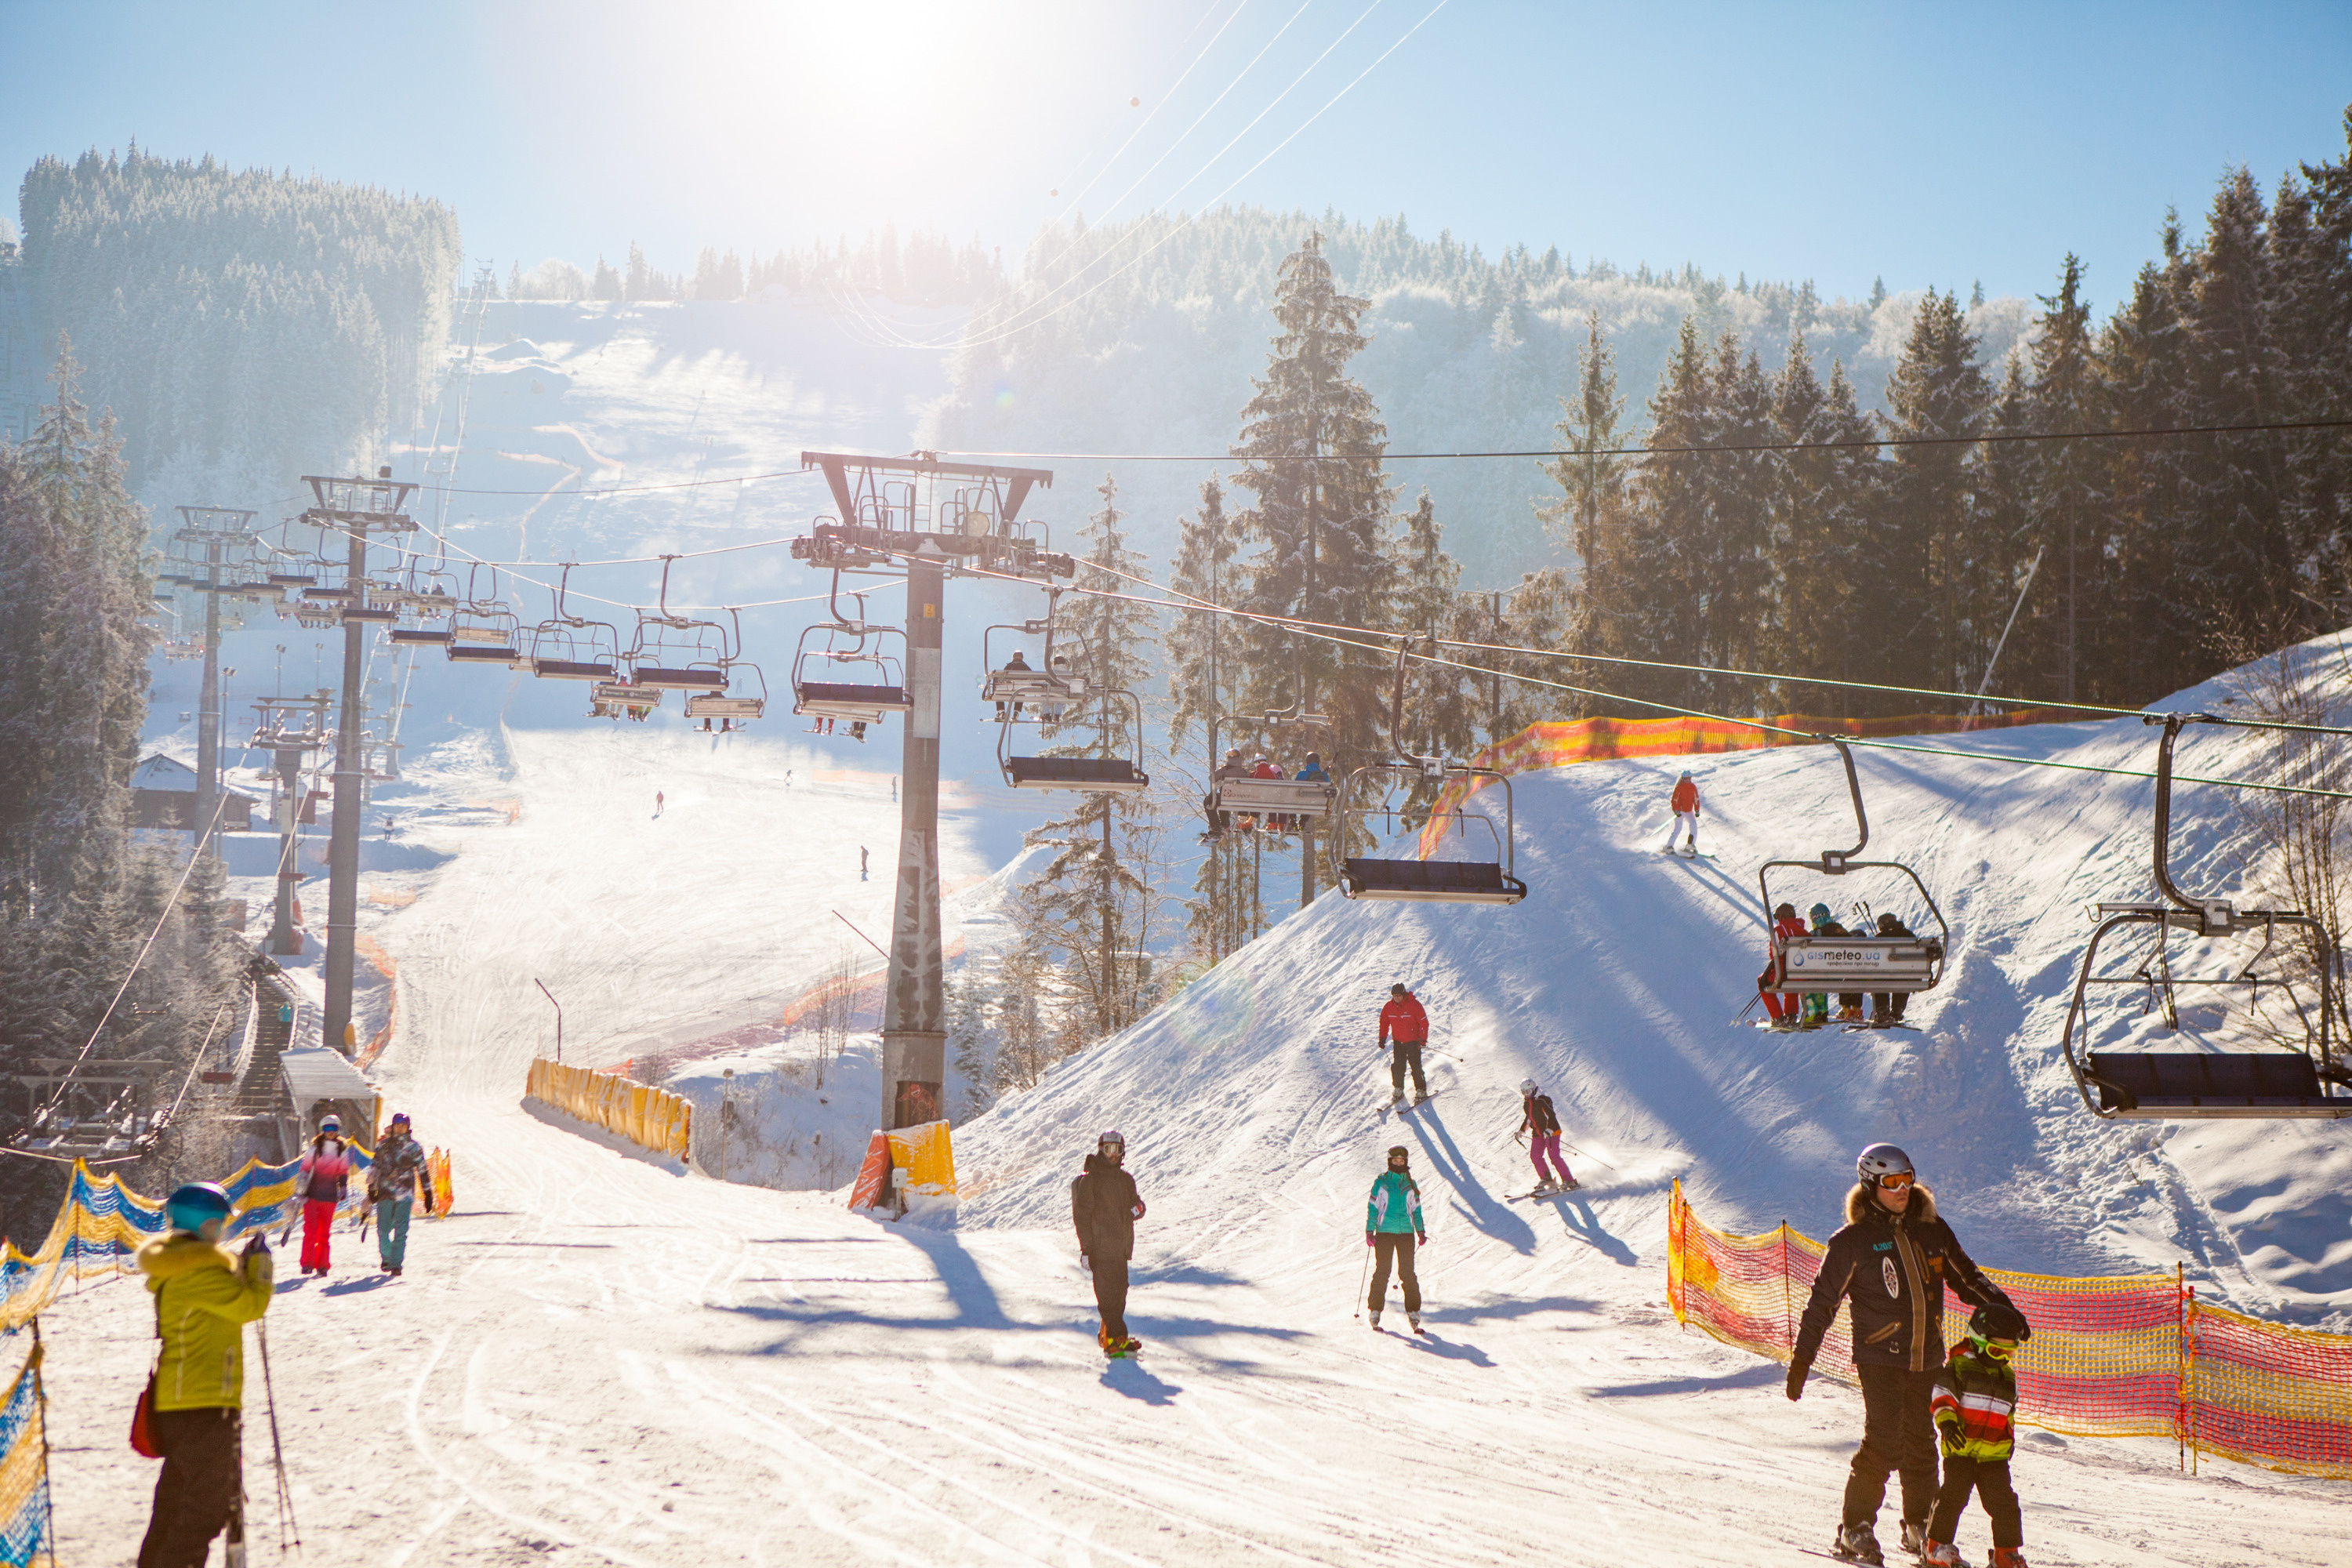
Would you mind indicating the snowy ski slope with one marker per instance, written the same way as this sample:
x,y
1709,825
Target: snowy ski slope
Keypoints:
x,y
602,1361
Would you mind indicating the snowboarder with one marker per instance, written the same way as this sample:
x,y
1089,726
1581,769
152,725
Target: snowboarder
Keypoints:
x,y
205,1295
1685,801
1537,1121
1975,1398
1784,1009
392,1181
1892,1259
1887,1006
1391,1226
321,1180
1404,1028
1104,1206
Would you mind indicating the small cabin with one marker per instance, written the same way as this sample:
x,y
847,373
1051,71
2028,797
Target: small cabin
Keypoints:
x,y
164,794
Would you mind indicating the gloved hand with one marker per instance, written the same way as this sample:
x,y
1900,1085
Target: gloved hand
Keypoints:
x,y
258,1241
1368,1238
1422,1240
1138,1208
1796,1370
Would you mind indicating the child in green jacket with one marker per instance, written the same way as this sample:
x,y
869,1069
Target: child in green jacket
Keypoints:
x,y
1974,1405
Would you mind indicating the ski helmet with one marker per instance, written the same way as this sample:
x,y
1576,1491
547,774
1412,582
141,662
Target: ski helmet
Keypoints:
x,y
1881,1160
1820,914
1686,778
330,1123
190,1206
1399,1152
399,1118
1526,1086
1112,1138
1886,924
1999,1323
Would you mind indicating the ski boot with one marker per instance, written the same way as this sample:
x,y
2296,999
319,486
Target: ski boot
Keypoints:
x,y
1414,1318
1130,1347
1940,1553
2007,1557
1376,1321
1857,1543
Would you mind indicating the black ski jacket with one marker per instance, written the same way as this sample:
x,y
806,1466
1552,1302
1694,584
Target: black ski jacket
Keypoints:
x,y
1537,1115
1893,1268
1104,1207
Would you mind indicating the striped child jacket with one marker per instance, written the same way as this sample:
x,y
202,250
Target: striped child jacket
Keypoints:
x,y
1974,1403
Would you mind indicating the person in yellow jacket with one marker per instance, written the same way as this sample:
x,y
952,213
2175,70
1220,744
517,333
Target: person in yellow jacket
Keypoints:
x,y
205,1295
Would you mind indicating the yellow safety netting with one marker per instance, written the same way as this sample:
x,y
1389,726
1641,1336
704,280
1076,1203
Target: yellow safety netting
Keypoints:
x,y
2125,1355
650,1117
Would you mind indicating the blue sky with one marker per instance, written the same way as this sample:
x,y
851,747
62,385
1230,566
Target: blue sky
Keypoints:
x,y
1841,141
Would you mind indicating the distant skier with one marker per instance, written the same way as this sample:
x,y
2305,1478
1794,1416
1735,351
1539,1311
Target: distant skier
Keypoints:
x,y
1887,1006
1974,1404
861,862
322,1179
205,1295
400,1165
1392,1224
658,803
1784,1009
1892,1259
894,789
1405,1029
1541,1125
1684,801
1104,1207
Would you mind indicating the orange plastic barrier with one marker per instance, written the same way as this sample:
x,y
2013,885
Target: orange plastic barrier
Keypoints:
x,y
2127,1356
873,1183
650,1117
1554,744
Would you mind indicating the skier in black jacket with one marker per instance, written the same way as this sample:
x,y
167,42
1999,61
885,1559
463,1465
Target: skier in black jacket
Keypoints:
x,y
1104,1207
1892,1259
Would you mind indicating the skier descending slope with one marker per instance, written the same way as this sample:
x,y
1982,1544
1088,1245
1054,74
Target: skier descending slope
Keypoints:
x,y
1542,1124
1104,1207
1405,1028
1892,1259
1685,801
1391,1226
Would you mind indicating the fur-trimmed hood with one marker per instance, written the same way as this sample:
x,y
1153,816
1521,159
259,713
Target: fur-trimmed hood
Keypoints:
x,y
1858,1206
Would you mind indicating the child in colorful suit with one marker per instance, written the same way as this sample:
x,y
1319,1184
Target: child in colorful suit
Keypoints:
x,y
1974,1404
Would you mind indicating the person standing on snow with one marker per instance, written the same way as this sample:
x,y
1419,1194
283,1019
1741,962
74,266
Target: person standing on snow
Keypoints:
x,y
1405,1028
1104,1206
1784,1009
1391,1226
205,1295
392,1187
1892,1259
1542,1126
1685,801
1974,1400
320,1182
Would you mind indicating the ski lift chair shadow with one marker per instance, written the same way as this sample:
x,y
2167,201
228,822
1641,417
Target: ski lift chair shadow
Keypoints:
x,y
2162,1086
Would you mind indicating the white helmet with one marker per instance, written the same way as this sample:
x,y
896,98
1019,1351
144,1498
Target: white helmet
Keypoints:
x,y
1526,1086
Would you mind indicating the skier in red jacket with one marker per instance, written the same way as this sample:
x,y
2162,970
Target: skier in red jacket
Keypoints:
x,y
1784,1009
1404,1028
1685,801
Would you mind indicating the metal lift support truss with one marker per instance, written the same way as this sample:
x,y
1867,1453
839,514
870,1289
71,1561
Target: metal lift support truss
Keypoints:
x,y
879,530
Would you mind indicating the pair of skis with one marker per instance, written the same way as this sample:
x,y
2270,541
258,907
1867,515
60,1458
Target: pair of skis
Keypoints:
x,y
1545,1193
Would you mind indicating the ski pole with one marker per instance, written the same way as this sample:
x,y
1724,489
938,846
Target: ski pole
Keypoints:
x,y
1361,1275
285,1520
1582,1155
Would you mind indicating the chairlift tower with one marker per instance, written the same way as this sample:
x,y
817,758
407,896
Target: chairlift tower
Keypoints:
x,y
290,727
924,519
224,536
358,509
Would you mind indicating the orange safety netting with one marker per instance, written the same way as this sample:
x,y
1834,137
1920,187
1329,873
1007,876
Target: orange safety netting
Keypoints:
x,y
1554,744
2133,1355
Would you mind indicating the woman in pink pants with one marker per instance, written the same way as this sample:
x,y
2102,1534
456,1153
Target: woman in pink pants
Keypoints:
x,y
325,1170
1542,1127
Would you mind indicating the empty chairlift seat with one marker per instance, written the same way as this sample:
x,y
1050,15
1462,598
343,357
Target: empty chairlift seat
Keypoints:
x,y
1430,881
849,699
2184,1085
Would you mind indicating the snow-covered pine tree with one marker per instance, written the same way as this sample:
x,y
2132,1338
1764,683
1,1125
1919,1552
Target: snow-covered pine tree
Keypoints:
x,y
1310,443
1226,910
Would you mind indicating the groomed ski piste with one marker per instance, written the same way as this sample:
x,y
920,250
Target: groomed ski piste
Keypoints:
x,y
601,1359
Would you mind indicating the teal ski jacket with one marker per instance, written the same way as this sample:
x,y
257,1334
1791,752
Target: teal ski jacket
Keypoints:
x,y
1395,1205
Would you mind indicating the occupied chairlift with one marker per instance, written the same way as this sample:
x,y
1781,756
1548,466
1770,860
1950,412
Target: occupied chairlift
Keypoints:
x,y
740,701
1428,882
2189,1085
1046,696
677,653
1267,800
482,629
848,646
423,596
1867,963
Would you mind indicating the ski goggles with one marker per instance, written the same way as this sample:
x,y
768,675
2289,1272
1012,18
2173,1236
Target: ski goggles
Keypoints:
x,y
1896,1181
1999,1350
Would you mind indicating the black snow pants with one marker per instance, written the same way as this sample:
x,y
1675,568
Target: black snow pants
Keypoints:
x,y
1990,1477
198,1490
1386,1248
1110,1296
1405,1054
1897,1433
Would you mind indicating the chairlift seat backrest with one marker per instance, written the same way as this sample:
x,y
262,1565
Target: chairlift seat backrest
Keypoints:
x,y
849,699
1430,881
571,668
1872,964
2189,1085
1288,797
1028,685
662,679
482,653
1094,776
712,705
419,634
